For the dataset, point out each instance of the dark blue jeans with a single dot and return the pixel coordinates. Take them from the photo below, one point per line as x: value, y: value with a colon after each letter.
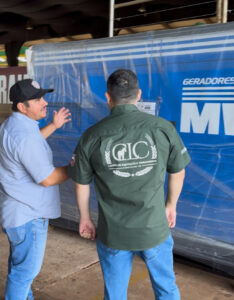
x: 27, y: 247
x: 117, y: 266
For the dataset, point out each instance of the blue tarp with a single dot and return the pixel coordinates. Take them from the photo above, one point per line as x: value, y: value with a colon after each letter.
x: 187, y: 77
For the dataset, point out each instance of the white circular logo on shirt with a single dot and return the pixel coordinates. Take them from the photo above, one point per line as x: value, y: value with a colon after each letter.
x: 35, y: 84
x: 136, y: 158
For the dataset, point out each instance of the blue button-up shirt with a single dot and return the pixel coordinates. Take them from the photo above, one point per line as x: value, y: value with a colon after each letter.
x: 25, y: 161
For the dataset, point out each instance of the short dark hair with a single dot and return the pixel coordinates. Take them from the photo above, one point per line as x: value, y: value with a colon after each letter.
x: 15, y: 108
x: 122, y: 86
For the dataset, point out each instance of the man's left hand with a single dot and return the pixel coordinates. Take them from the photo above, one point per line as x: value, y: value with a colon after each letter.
x: 61, y: 117
x: 171, y: 215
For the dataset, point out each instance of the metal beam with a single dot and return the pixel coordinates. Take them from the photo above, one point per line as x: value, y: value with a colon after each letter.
x: 222, y: 11
x: 225, y: 11
x: 131, y: 3
x: 111, y: 18
x: 219, y: 11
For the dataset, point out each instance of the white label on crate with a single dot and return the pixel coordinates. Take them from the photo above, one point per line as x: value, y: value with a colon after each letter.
x: 147, y: 107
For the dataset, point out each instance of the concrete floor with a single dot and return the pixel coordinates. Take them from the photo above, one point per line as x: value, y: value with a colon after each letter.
x: 71, y: 271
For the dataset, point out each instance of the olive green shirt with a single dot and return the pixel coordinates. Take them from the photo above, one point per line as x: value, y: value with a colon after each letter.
x: 128, y: 153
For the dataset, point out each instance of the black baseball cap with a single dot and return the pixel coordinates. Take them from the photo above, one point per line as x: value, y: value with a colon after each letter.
x: 26, y: 89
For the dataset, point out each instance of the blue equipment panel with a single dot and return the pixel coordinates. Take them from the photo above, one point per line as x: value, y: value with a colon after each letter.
x: 189, y: 76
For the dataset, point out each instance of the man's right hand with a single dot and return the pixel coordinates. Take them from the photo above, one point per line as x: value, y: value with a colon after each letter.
x: 87, y: 229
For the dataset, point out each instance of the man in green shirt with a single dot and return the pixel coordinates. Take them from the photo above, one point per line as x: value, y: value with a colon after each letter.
x: 129, y: 153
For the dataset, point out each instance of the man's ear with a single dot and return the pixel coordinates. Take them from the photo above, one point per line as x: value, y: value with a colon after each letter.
x: 21, y: 107
x: 108, y: 98
x: 139, y: 95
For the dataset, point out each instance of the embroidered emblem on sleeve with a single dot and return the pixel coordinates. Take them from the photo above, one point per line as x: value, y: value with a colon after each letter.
x: 73, y: 160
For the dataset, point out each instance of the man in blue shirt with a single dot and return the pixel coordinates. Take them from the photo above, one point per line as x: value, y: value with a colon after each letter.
x: 29, y: 193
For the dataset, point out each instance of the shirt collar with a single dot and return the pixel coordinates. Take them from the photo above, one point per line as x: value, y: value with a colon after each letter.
x: 24, y: 118
x: 123, y: 108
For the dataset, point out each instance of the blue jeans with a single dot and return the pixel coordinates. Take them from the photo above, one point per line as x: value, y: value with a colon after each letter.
x: 117, y: 266
x: 27, y: 247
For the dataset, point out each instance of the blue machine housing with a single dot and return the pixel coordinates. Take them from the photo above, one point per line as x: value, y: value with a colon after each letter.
x: 188, y: 76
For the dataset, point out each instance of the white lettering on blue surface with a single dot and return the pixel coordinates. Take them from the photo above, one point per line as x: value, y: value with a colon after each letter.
x: 216, y: 93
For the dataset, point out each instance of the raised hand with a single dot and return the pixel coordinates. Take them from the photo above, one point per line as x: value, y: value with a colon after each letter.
x: 61, y: 117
